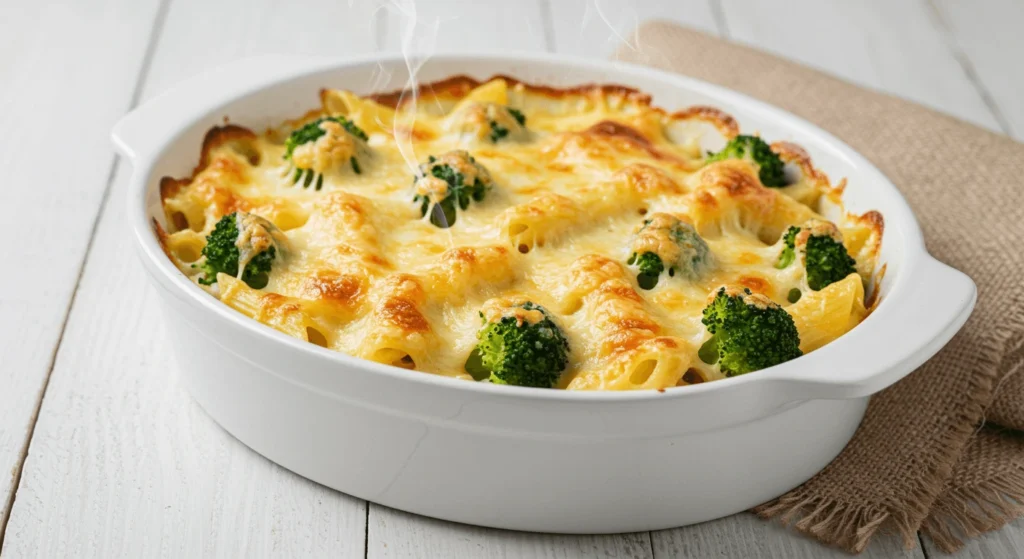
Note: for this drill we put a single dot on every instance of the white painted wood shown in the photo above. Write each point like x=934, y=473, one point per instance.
x=988, y=36
x=892, y=46
x=427, y=26
x=397, y=534
x=123, y=463
x=745, y=535
x=1005, y=543
x=58, y=99
x=201, y=35
x=598, y=27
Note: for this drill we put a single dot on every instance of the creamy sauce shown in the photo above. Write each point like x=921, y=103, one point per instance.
x=575, y=188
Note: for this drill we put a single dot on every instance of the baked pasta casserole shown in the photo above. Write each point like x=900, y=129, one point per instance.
x=510, y=233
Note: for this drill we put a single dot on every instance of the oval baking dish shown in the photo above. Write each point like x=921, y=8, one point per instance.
x=525, y=458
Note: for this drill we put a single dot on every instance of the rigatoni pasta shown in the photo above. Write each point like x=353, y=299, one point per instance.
x=497, y=231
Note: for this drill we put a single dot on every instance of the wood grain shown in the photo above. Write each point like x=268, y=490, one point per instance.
x=394, y=533
x=598, y=27
x=463, y=26
x=987, y=35
x=59, y=104
x=891, y=46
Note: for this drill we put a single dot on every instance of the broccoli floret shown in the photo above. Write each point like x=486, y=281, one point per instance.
x=499, y=131
x=827, y=262
x=752, y=148
x=649, y=266
x=665, y=241
x=312, y=166
x=748, y=331
x=223, y=250
x=520, y=346
x=447, y=184
x=482, y=122
x=518, y=115
x=825, y=258
x=311, y=131
x=788, y=248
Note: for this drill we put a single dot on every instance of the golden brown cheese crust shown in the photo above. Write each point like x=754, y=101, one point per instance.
x=644, y=181
x=724, y=122
x=457, y=87
x=346, y=290
x=498, y=308
x=365, y=274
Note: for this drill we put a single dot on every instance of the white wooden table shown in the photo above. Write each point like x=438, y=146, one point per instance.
x=101, y=452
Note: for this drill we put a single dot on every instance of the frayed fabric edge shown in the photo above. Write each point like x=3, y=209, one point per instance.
x=969, y=512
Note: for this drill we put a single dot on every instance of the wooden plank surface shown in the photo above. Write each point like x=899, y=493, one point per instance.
x=393, y=533
x=987, y=35
x=597, y=28
x=893, y=46
x=60, y=99
x=123, y=463
x=463, y=26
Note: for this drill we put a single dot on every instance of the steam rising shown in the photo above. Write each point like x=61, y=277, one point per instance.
x=418, y=37
x=608, y=12
x=419, y=34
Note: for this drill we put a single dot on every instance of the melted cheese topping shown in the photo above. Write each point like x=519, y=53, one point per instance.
x=255, y=235
x=366, y=274
x=327, y=151
x=501, y=307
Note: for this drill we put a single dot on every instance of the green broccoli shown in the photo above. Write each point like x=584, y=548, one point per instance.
x=664, y=239
x=518, y=115
x=788, y=254
x=222, y=251
x=523, y=348
x=748, y=331
x=498, y=131
x=447, y=184
x=650, y=268
x=311, y=132
x=825, y=258
x=754, y=149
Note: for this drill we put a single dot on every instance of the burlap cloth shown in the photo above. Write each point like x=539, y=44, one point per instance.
x=937, y=451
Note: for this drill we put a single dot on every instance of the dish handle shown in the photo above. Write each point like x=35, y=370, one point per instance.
x=145, y=129
x=932, y=305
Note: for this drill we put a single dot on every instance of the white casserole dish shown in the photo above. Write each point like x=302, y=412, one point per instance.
x=524, y=458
